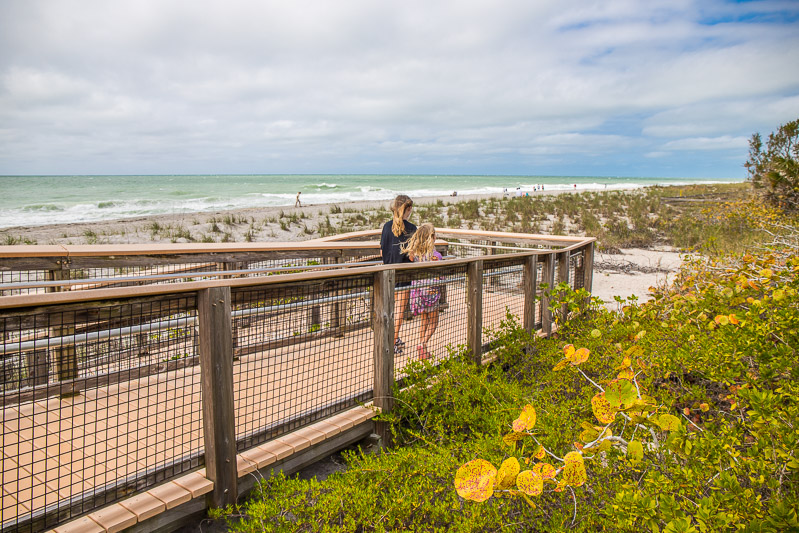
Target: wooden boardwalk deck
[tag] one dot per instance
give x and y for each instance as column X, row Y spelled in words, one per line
column 56, row 450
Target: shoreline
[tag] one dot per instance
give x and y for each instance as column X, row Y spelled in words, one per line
column 143, row 229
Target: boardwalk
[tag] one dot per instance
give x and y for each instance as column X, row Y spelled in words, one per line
column 84, row 447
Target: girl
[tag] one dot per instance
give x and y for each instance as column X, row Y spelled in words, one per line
column 396, row 233
column 424, row 300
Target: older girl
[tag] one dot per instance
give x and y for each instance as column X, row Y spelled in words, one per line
column 396, row 233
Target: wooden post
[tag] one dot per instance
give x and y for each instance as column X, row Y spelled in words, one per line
column 383, row 326
column 588, row 266
column 529, row 286
column 216, row 374
column 338, row 318
column 548, row 276
column 474, row 309
column 563, row 277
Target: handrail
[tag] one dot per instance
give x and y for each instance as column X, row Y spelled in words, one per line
column 52, row 298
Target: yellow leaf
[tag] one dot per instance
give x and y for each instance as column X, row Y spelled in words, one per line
column 733, row 319
column 506, row 476
column 561, row 364
column 475, row 480
column 526, row 420
column 530, row 483
column 602, row 409
column 626, row 374
column 546, row 470
column 580, row 356
column 568, row 350
column 704, row 407
column 540, row 453
column 722, row 320
column 766, row 273
column 511, row 438
column 595, row 333
column 574, row 470
column 640, row 335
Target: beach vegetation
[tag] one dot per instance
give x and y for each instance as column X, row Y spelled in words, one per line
column 774, row 168
column 678, row 414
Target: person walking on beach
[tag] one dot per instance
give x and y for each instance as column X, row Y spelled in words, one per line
column 396, row 233
column 297, row 201
column 424, row 300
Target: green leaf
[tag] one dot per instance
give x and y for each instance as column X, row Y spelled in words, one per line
column 668, row 422
column 621, row 394
column 635, row 451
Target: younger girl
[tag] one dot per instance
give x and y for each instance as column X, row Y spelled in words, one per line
column 424, row 299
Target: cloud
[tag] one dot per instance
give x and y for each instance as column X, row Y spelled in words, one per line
column 254, row 86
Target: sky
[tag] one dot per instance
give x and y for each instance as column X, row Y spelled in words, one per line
column 656, row 88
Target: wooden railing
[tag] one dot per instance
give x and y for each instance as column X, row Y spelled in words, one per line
column 190, row 373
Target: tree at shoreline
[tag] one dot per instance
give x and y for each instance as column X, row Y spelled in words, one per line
column 775, row 169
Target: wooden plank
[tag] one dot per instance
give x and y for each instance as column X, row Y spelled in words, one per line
column 216, row 364
column 474, row 306
column 530, row 285
column 383, row 326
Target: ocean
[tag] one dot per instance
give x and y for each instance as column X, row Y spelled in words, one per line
column 40, row 200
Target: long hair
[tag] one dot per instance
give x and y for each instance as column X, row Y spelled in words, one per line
column 422, row 243
column 399, row 207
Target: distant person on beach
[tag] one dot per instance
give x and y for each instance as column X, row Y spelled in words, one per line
column 425, row 297
column 396, row 233
column 297, row 201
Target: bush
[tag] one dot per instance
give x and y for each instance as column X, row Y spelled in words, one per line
column 775, row 169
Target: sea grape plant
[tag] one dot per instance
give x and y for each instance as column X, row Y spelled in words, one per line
column 619, row 402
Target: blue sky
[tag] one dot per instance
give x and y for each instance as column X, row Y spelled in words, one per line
column 610, row 88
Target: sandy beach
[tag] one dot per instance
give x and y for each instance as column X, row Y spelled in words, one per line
column 630, row 272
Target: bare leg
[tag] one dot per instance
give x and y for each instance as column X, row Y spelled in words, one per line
column 399, row 306
column 430, row 325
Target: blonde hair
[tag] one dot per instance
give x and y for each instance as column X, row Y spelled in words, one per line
column 422, row 243
column 399, row 207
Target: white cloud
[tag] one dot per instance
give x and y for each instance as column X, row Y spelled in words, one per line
column 303, row 83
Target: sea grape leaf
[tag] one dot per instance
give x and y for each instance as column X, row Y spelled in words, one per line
column 475, row 480
column 588, row 435
column 526, row 420
column 574, row 473
column 602, row 409
column 621, row 394
column 545, row 470
column 563, row 363
column 635, row 451
column 668, row 422
column 530, row 483
column 511, row 438
column 507, row 473
column 580, row 356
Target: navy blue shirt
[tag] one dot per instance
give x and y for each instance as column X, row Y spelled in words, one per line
column 390, row 244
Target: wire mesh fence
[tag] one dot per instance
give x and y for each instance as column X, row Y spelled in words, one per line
column 95, row 410
column 303, row 352
column 503, row 294
column 103, row 400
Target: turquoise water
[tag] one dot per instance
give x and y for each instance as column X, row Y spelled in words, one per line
column 39, row 200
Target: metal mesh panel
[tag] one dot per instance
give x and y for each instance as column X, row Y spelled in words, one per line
column 303, row 353
column 83, row 424
column 503, row 293
column 433, row 309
